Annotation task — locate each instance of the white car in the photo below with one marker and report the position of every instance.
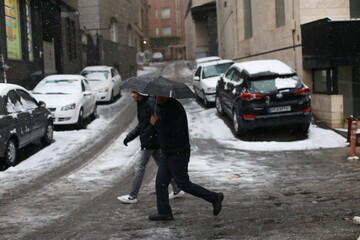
(107, 85)
(199, 61)
(206, 77)
(70, 98)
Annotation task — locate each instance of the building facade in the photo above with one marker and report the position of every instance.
(39, 37)
(167, 30)
(113, 32)
(200, 27)
(304, 34)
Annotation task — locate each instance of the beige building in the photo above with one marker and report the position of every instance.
(275, 29)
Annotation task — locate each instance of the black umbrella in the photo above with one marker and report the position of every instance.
(158, 86)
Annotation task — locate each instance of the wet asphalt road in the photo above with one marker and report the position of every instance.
(268, 195)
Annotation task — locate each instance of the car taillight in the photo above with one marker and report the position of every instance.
(307, 110)
(303, 91)
(251, 96)
(249, 116)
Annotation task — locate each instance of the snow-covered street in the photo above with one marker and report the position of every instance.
(219, 160)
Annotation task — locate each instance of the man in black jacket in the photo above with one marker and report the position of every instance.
(149, 145)
(172, 127)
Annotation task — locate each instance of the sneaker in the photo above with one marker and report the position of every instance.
(161, 217)
(127, 199)
(218, 203)
(176, 194)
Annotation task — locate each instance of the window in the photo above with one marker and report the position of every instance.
(280, 13)
(320, 81)
(166, 31)
(13, 104)
(157, 31)
(165, 13)
(26, 100)
(354, 9)
(248, 19)
(130, 35)
(156, 14)
(114, 33)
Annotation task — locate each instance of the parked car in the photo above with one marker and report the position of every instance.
(263, 93)
(23, 120)
(108, 86)
(157, 57)
(206, 77)
(203, 60)
(69, 97)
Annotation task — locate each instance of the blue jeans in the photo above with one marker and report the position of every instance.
(176, 166)
(140, 168)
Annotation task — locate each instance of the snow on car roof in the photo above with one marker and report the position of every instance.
(5, 87)
(206, 59)
(64, 76)
(205, 64)
(266, 67)
(97, 68)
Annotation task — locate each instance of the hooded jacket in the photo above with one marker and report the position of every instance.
(148, 135)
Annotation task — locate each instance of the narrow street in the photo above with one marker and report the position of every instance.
(280, 194)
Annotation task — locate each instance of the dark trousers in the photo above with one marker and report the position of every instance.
(176, 166)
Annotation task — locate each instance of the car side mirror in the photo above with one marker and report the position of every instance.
(42, 104)
(196, 78)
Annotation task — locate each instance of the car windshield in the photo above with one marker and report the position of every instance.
(275, 84)
(58, 86)
(215, 70)
(86, 73)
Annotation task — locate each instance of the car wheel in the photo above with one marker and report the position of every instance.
(112, 96)
(238, 125)
(94, 113)
(204, 99)
(219, 107)
(303, 127)
(49, 134)
(80, 122)
(11, 152)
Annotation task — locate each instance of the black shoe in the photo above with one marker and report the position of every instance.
(161, 217)
(217, 204)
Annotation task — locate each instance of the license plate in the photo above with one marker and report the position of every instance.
(279, 109)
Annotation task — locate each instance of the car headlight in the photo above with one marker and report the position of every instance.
(210, 89)
(103, 90)
(68, 107)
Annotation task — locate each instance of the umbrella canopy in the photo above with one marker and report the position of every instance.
(158, 86)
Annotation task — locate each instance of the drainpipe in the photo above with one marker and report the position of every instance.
(293, 30)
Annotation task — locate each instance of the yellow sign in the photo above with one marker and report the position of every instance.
(12, 21)
(29, 31)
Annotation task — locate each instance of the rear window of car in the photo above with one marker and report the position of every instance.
(275, 83)
(85, 73)
(215, 70)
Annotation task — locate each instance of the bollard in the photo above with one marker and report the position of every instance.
(353, 142)
(350, 120)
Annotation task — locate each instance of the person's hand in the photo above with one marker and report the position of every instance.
(126, 141)
(153, 119)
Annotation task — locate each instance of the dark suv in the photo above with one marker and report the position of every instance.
(263, 93)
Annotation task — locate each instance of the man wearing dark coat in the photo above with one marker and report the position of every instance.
(149, 146)
(172, 128)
